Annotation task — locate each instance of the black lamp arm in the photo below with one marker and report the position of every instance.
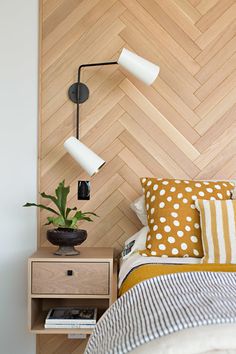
(97, 64)
(79, 92)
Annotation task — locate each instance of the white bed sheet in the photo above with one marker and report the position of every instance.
(214, 339)
(136, 259)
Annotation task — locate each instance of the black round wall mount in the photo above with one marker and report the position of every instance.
(83, 92)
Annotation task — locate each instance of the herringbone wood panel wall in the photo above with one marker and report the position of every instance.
(183, 126)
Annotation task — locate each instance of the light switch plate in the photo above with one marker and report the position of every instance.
(76, 336)
(83, 190)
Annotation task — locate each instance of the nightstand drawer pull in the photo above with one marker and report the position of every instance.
(70, 272)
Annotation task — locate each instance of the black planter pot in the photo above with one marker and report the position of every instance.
(66, 239)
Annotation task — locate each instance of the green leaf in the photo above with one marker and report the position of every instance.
(77, 217)
(42, 207)
(74, 221)
(81, 216)
(59, 222)
(62, 193)
(86, 218)
(50, 220)
(78, 214)
(68, 210)
(51, 197)
(90, 213)
(68, 223)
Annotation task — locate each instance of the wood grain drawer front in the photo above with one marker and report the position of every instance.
(85, 279)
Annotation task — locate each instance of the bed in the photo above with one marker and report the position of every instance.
(177, 280)
(161, 306)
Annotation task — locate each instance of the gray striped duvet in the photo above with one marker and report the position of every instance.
(162, 305)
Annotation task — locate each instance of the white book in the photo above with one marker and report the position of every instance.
(71, 315)
(82, 326)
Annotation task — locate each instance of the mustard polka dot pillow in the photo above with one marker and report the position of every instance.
(173, 220)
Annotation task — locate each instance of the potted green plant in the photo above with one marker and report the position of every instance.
(66, 234)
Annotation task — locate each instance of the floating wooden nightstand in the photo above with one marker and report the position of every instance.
(87, 280)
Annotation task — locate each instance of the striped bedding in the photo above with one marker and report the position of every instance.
(162, 305)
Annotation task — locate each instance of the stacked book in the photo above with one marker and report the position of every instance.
(71, 317)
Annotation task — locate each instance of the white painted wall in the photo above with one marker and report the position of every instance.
(18, 157)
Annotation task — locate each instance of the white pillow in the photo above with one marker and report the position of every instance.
(135, 243)
(138, 206)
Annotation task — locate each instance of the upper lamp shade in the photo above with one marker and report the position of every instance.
(85, 157)
(141, 68)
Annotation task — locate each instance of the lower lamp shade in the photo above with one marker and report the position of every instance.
(85, 157)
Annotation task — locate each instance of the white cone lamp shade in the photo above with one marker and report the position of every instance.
(85, 157)
(141, 68)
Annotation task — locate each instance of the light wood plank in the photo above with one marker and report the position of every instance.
(221, 57)
(150, 145)
(218, 147)
(180, 18)
(216, 95)
(164, 124)
(211, 16)
(218, 163)
(214, 133)
(204, 6)
(216, 79)
(217, 27)
(191, 11)
(153, 130)
(217, 112)
(214, 47)
(161, 17)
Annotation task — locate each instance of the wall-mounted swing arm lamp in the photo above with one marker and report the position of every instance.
(141, 68)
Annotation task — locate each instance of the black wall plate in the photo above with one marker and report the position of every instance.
(83, 92)
(83, 190)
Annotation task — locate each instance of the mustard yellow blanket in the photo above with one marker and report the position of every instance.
(148, 271)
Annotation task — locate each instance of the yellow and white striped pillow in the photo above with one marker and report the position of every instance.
(218, 227)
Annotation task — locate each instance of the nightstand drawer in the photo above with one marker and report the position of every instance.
(70, 278)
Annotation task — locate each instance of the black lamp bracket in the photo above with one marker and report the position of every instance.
(79, 92)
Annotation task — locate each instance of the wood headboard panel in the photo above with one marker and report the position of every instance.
(182, 126)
